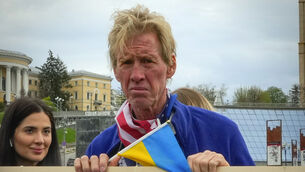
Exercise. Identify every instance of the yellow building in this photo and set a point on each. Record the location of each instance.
(90, 91)
(14, 68)
(33, 82)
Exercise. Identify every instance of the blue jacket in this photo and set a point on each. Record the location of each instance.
(196, 129)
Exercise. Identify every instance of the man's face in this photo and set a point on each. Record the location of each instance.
(142, 72)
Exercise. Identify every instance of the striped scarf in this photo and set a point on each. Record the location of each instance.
(129, 128)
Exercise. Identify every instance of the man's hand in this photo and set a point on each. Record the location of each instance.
(94, 164)
(206, 161)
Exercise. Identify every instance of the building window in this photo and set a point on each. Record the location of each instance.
(88, 95)
(88, 83)
(30, 82)
(75, 83)
(104, 108)
(95, 96)
(104, 97)
(76, 108)
(95, 108)
(105, 86)
(75, 95)
(88, 107)
(96, 85)
(36, 94)
(36, 82)
(29, 93)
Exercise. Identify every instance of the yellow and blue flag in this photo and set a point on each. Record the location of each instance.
(157, 148)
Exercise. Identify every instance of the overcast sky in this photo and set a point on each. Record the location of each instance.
(233, 42)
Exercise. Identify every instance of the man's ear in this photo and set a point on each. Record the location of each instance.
(172, 67)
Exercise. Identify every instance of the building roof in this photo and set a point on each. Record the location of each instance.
(34, 71)
(16, 54)
(90, 74)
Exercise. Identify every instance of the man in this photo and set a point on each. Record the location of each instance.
(143, 56)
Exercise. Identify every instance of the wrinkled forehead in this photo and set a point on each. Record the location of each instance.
(142, 43)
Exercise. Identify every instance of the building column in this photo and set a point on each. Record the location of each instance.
(8, 84)
(18, 82)
(13, 80)
(1, 78)
(302, 52)
(25, 81)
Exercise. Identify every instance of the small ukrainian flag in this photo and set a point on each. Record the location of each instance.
(158, 148)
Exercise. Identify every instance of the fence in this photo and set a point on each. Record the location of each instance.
(154, 169)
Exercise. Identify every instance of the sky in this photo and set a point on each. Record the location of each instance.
(238, 43)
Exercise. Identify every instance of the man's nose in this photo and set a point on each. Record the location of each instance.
(137, 72)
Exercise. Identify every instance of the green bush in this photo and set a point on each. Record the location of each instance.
(70, 135)
(1, 116)
(2, 106)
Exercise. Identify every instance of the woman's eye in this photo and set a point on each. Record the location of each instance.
(47, 131)
(29, 131)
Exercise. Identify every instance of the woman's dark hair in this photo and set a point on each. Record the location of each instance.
(15, 113)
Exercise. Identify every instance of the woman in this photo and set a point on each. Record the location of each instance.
(28, 135)
(191, 97)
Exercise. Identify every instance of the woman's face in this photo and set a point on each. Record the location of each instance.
(32, 139)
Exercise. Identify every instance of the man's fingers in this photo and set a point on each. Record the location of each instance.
(213, 164)
(115, 161)
(193, 162)
(77, 165)
(217, 160)
(103, 162)
(84, 160)
(94, 163)
(206, 161)
(224, 162)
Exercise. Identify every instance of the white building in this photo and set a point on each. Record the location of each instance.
(14, 80)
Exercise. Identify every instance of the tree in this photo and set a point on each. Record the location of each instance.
(265, 97)
(241, 95)
(253, 94)
(48, 102)
(277, 95)
(294, 94)
(208, 91)
(53, 77)
(222, 92)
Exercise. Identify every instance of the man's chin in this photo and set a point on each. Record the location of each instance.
(140, 102)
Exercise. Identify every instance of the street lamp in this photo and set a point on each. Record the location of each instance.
(285, 146)
(59, 102)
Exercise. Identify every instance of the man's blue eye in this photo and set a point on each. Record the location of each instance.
(127, 62)
(147, 61)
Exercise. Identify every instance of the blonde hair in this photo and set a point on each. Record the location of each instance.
(193, 98)
(137, 20)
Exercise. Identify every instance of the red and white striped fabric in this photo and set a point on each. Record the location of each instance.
(131, 129)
